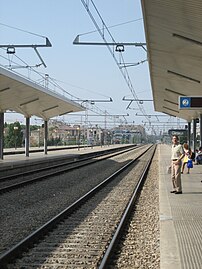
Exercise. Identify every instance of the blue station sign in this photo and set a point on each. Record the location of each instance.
(190, 102)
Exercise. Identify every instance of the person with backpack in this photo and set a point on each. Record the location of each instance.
(187, 160)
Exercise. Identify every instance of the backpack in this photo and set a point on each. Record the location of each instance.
(189, 164)
(193, 155)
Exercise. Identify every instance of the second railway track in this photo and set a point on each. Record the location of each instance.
(20, 179)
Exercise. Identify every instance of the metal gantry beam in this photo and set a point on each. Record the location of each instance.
(137, 100)
(101, 115)
(140, 101)
(165, 122)
(93, 101)
(152, 115)
(119, 45)
(11, 48)
(48, 44)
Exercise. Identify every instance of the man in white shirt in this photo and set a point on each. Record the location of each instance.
(176, 162)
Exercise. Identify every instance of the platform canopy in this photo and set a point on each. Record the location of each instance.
(28, 98)
(174, 44)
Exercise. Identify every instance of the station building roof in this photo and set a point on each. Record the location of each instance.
(174, 43)
(28, 98)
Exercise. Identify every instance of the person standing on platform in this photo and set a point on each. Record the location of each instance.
(187, 157)
(176, 161)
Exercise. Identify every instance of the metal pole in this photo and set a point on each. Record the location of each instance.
(15, 138)
(1, 134)
(78, 138)
(189, 134)
(200, 130)
(27, 130)
(15, 134)
(194, 135)
(45, 136)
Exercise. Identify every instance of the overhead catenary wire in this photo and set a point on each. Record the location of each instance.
(123, 70)
(28, 32)
(23, 64)
(93, 108)
(112, 26)
(78, 87)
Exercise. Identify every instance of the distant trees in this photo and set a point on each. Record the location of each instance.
(55, 141)
(14, 135)
(34, 127)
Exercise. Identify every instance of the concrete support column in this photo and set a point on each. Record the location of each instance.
(27, 135)
(200, 130)
(45, 136)
(1, 134)
(189, 134)
(194, 135)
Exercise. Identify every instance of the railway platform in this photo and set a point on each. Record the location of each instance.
(180, 217)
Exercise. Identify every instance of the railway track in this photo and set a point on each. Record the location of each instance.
(80, 236)
(20, 179)
(17, 167)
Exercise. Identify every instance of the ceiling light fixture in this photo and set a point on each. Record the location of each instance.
(171, 109)
(183, 76)
(5, 89)
(171, 102)
(172, 91)
(29, 102)
(187, 39)
(50, 108)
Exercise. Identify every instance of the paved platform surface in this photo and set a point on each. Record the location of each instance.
(180, 217)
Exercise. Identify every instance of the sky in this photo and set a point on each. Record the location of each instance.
(84, 71)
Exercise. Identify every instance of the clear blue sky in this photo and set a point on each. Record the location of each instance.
(88, 72)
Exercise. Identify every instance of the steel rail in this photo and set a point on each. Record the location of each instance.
(64, 170)
(125, 217)
(78, 158)
(30, 240)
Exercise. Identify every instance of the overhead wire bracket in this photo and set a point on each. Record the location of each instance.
(119, 45)
(11, 48)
